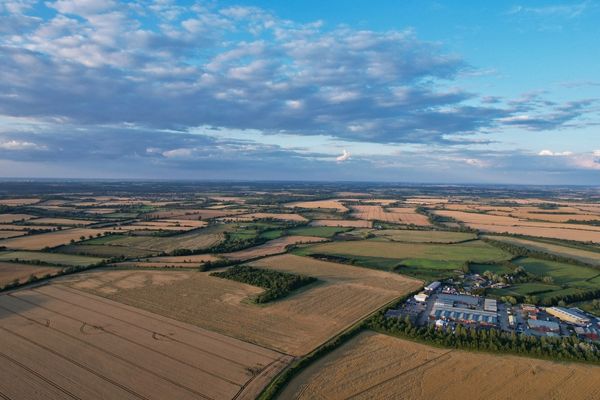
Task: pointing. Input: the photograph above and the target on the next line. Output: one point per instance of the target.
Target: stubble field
(61, 343)
(376, 366)
(294, 325)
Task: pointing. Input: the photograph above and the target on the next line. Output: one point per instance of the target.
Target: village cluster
(446, 306)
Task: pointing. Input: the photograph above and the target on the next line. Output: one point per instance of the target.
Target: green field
(494, 268)
(105, 251)
(588, 254)
(475, 251)
(524, 289)
(418, 260)
(413, 236)
(51, 258)
(105, 239)
(561, 273)
(319, 231)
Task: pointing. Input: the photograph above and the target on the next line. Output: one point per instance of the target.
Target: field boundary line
(124, 338)
(114, 355)
(408, 371)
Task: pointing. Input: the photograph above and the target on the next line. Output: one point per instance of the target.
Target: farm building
(543, 326)
(433, 286)
(490, 305)
(568, 315)
(421, 297)
(463, 309)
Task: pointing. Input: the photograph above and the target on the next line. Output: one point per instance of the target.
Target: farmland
(274, 246)
(50, 258)
(406, 215)
(347, 223)
(501, 224)
(585, 256)
(152, 299)
(51, 239)
(344, 296)
(327, 204)
(11, 272)
(424, 236)
(375, 366)
(91, 347)
(413, 253)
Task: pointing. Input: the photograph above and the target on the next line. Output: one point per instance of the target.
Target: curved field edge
(277, 385)
(376, 366)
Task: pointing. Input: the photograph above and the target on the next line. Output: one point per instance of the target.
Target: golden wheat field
(398, 215)
(51, 239)
(501, 224)
(59, 343)
(376, 366)
(344, 223)
(294, 325)
(257, 216)
(330, 204)
(10, 218)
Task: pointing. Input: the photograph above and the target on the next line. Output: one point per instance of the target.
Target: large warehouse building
(568, 315)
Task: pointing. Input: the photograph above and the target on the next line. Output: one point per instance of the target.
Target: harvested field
(412, 236)
(256, 216)
(330, 204)
(58, 342)
(51, 239)
(376, 366)
(192, 214)
(589, 257)
(10, 234)
(504, 224)
(427, 200)
(10, 272)
(345, 295)
(51, 258)
(404, 215)
(61, 221)
(200, 239)
(18, 202)
(349, 223)
(383, 202)
(25, 228)
(275, 246)
(10, 218)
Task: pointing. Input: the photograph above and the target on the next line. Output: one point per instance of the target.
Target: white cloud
(345, 156)
(16, 145)
(550, 153)
(178, 153)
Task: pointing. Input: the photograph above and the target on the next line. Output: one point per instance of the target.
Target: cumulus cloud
(550, 153)
(18, 145)
(244, 68)
(345, 156)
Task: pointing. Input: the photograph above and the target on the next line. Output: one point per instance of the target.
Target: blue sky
(419, 91)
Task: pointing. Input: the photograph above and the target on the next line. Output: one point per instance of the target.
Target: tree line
(277, 284)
